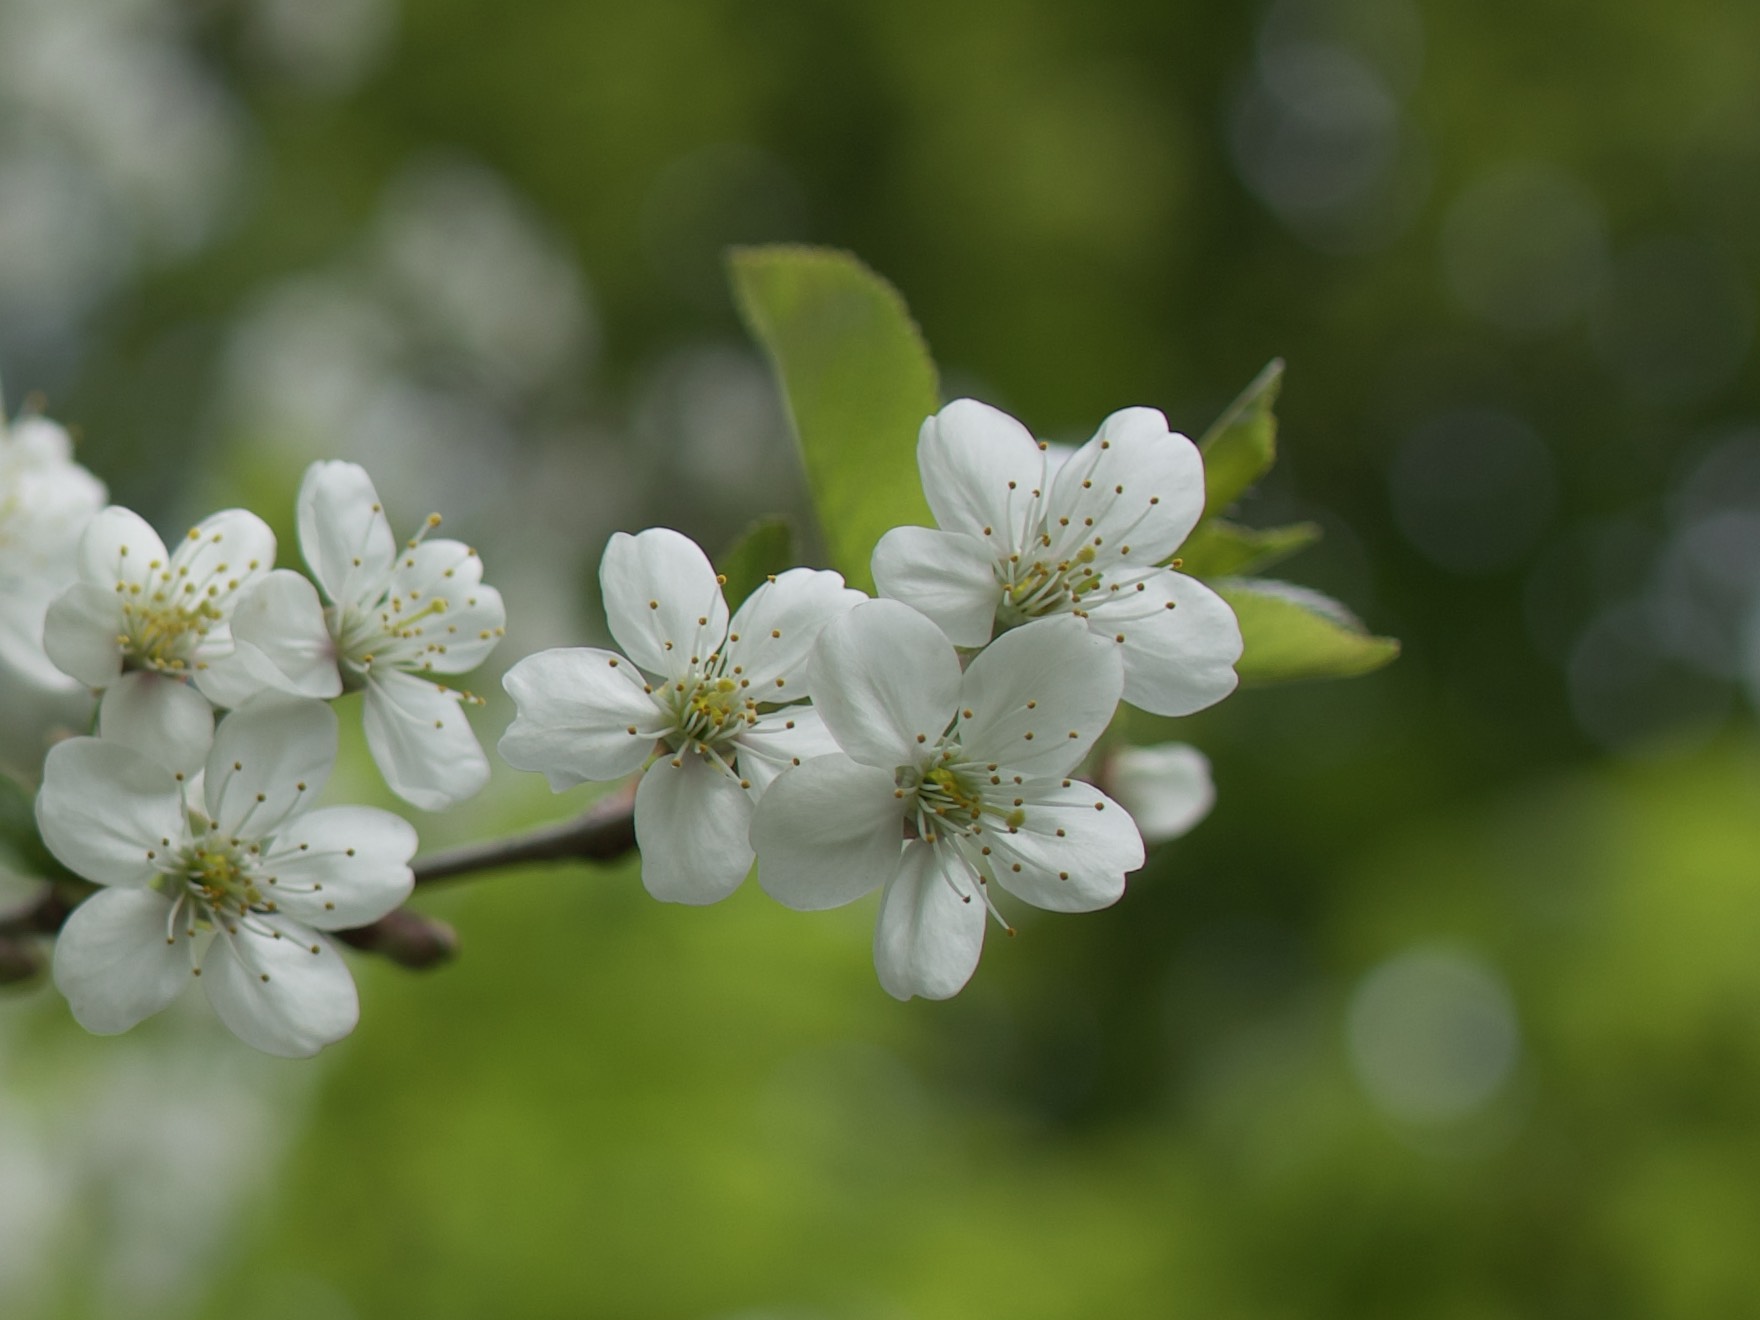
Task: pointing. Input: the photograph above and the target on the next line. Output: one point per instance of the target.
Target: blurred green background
(1450, 1010)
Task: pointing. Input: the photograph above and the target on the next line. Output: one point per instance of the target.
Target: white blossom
(702, 703)
(152, 628)
(228, 876)
(1020, 537)
(46, 500)
(395, 617)
(1167, 788)
(947, 785)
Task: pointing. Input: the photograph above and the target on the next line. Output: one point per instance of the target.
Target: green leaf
(21, 847)
(1291, 632)
(1241, 445)
(858, 380)
(764, 549)
(1220, 548)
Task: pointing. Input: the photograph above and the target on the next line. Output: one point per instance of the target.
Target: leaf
(858, 381)
(1241, 445)
(1291, 632)
(1220, 548)
(765, 548)
(21, 847)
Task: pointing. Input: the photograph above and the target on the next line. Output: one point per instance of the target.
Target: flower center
(1046, 586)
(218, 878)
(950, 797)
(709, 710)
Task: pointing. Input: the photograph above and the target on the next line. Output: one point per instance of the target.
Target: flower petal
(691, 823)
(343, 532)
(772, 634)
(162, 718)
(104, 810)
(472, 619)
(1179, 640)
(1141, 485)
(886, 681)
(289, 996)
(119, 548)
(583, 716)
(983, 473)
(949, 576)
(1039, 696)
(341, 866)
(221, 556)
(778, 740)
(80, 632)
(662, 600)
(1072, 850)
(115, 962)
(1166, 788)
(931, 927)
(282, 618)
(421, 740)
(271, 758)
(826, 833)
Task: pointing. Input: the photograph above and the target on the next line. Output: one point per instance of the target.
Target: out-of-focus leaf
(1241, 445)
(1220, 548)
(1291, 632)
(765, 548)
(858, 380)
(21, 848)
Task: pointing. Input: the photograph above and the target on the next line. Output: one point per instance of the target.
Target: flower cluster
(926, 744)
(198, 674)
(940, 744)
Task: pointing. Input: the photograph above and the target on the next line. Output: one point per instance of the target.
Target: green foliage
(1291, 633)
(764, 548)
(1241, 445)
(858, 380)
(21, 848)
(1220, 548)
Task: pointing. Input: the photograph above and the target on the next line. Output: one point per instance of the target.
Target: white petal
(119, 547)
(1180, 643)
(223, 555)
(949, 576)
(886, 681)
(691, 823)
(80, 633)
(1166, 788)
(473, 620)
(40, 714)
(773, 632)
(583, 717)
(662, 600)
(115, 962)
(271, 758)
(290, 996)
(283, 619)
(103, 808)
(982, 472)
(1039, 696)
(163, 718)
(343, 532)
(778, 740)
(1073, 848)
(341, 866)
(826, 833)
(1141, 484)
(931, 926)
(23, 607)
(422, 742)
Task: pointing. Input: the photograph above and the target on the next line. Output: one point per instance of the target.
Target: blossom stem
(602, 833)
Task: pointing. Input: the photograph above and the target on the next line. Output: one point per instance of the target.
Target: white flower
(1021, 538)
(230, 880)
(152, 628)
(713, 693)
(397, 616)
(46, 500)
(946, 785)
(1166, 788)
